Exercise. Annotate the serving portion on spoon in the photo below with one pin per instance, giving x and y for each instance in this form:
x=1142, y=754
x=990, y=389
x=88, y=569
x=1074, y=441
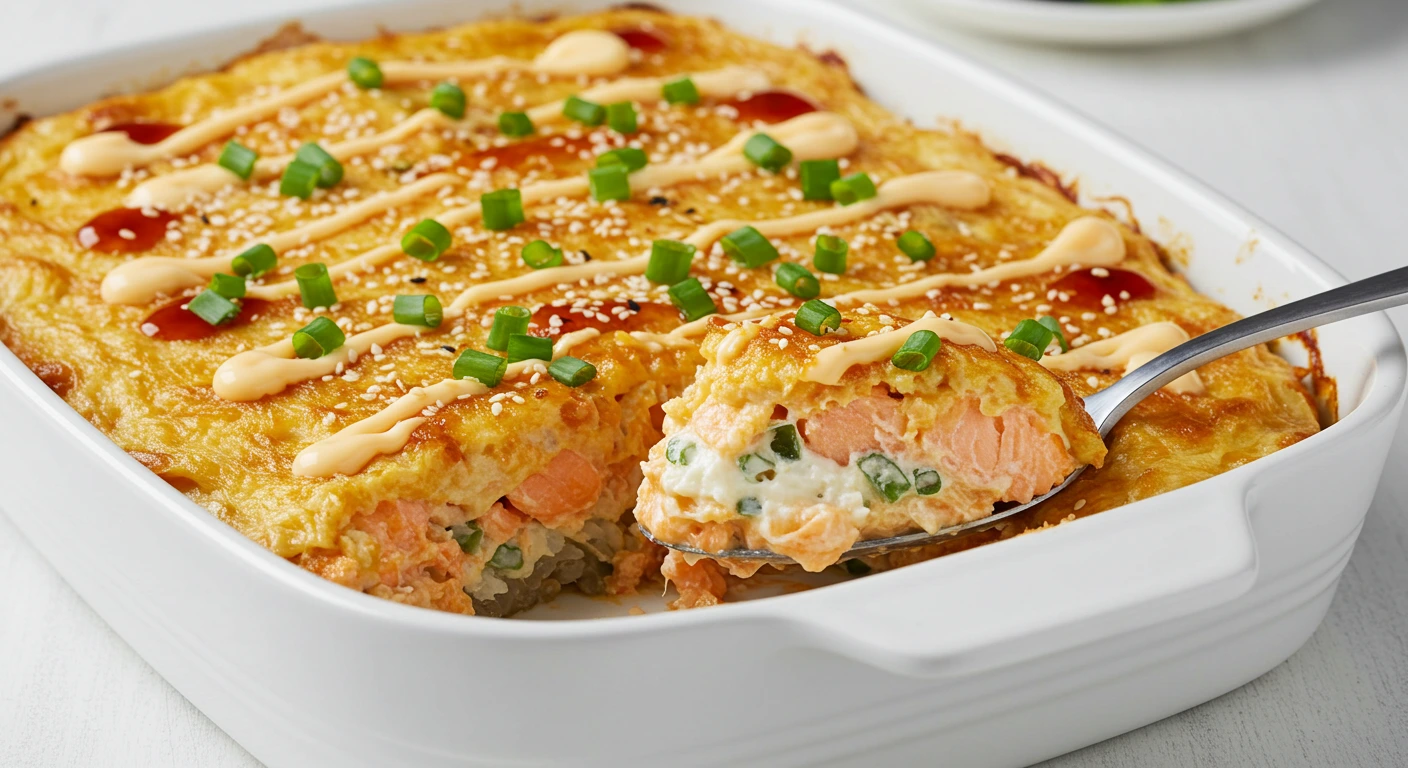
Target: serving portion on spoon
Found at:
x=871, y=436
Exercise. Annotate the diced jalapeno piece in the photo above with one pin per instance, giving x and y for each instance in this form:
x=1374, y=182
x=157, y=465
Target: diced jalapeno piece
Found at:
x=507, y=558
x=888, y=479
x=927, y=482
x=680, y=451
x=749, y=507
x=754, y=467
x=467, y=535
x=785, y=442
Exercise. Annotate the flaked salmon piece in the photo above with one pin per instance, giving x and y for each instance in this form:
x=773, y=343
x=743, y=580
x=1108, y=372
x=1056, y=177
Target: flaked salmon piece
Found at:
x=815, y=536
x=568, y=486
x=868, y=423
x=1014, y=452
x=699, y=584
x=501, y=523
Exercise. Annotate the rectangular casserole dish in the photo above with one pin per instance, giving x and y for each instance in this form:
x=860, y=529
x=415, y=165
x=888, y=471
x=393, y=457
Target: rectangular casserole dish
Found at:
x=1066, y=638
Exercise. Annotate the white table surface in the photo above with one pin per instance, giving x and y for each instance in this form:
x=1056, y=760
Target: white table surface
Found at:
x=1304, y=122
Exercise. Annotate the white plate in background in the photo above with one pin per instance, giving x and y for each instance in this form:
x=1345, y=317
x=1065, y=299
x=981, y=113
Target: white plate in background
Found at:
x=1085, y=22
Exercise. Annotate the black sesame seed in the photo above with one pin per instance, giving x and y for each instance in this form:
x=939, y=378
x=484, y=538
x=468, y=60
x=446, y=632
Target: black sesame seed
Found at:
x=204, y=219
x=417, y=280
x=635, y=307
x=586, y=256
x=447, y=347
x=33, y=201
x=659, y=200
x=689, y=210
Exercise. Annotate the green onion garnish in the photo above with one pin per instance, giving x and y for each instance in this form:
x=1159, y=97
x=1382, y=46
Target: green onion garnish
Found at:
x=238, y=159
x=749, y=507
x=754, y=467
x=507, y=558
x=583, y=111
x=927, y=482
x=763, y=151
x=540, y=254
x=830, y=254
x=213, y=308
x=449, y=99
x=681, y=91
x=572, y=371
x=852, y=189
x=621, y=116
x=817, y=318
x=1029, y=339
x=427, y=240
x=317, y=338
x=299, y=180
x=882, y=473
x=856, y=567
x=917, y=351
x=748, y=246
x=329, y=170
x=364, y=72
x=515, y=124
x=680, y=451
x=417, y=310
x=786, y=443
x=669, y=261
x=521, y=346
x=691, y=298
x=229, y=286
x=508, y=321
x=467, y=535
x=315, y=285
x=1052, y=324
x=486, y=368
x=916, y=246
x=634, y=159
x=816, y=177
x=255, y=261
x=796, y=280
x=609, y=182
x=501, y=209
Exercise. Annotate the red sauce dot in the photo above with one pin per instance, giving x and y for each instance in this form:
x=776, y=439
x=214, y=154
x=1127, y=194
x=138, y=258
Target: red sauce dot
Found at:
x=1083, y=288
x=124, y=230
x=144, y=133
x=638, y=316
x=173, y=323
x=643, y=40
x=772, y=106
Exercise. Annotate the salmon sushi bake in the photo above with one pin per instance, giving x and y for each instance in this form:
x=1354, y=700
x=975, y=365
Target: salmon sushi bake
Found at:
x=440, y=317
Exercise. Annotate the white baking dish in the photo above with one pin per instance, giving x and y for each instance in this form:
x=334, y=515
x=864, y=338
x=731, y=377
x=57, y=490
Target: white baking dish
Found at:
x=998, y=656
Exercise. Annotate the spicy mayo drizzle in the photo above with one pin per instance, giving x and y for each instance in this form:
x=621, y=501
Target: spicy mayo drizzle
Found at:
x=831, y=363
x=1128, y=351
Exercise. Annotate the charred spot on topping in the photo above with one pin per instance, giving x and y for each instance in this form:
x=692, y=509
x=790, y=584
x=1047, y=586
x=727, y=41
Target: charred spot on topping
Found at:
x=174, y=322
x=1041, y=173
x=1088, y=288
x=659, y=200
x=124, y=230
x=605, y=316
x=540, y=393
x=33, y=201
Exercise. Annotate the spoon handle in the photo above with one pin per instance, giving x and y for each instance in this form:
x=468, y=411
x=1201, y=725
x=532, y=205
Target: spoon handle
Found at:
x=1371, y=294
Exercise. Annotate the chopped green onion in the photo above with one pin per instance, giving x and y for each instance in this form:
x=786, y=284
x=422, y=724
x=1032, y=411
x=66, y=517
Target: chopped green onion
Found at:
x=540, y=254
x=467, y=535
x=515, y=124
x=254, y=261
x=796, y=280
x=508, y=321
x=621, y=116
x=691, y=298
x=317, y=338
x=754, y=467
x=238, y=159
x=507, y=558
x=669, y=261
x=486, y=368
x=583, y=111
x=764, y=151
x=817, y=318
x=917, y=351
x=882, y=473
x=609, y=182
x=680, y=451
x=364, y=72
x=786, y=443
x=852, y=189
x=501, y=209
x=315, y=285
x=1029, y=339
x=634, y=159
x=417, y=310
x=449, y=99
x=427, y=240
x=816, y=177
x=572, y=371
x=927, y=482
x=916, y=246
x=830, y=254
x=299, y=180
x=856, y=567
x=749, y=507
x=521, y=346
x=329, y=170
x=748, y=246
x=213, y=308
x=229, y=286
x=681, y=91
x=1052, y=324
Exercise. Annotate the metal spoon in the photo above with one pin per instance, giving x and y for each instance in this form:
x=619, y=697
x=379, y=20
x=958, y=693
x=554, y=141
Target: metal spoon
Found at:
x=1109, y=405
